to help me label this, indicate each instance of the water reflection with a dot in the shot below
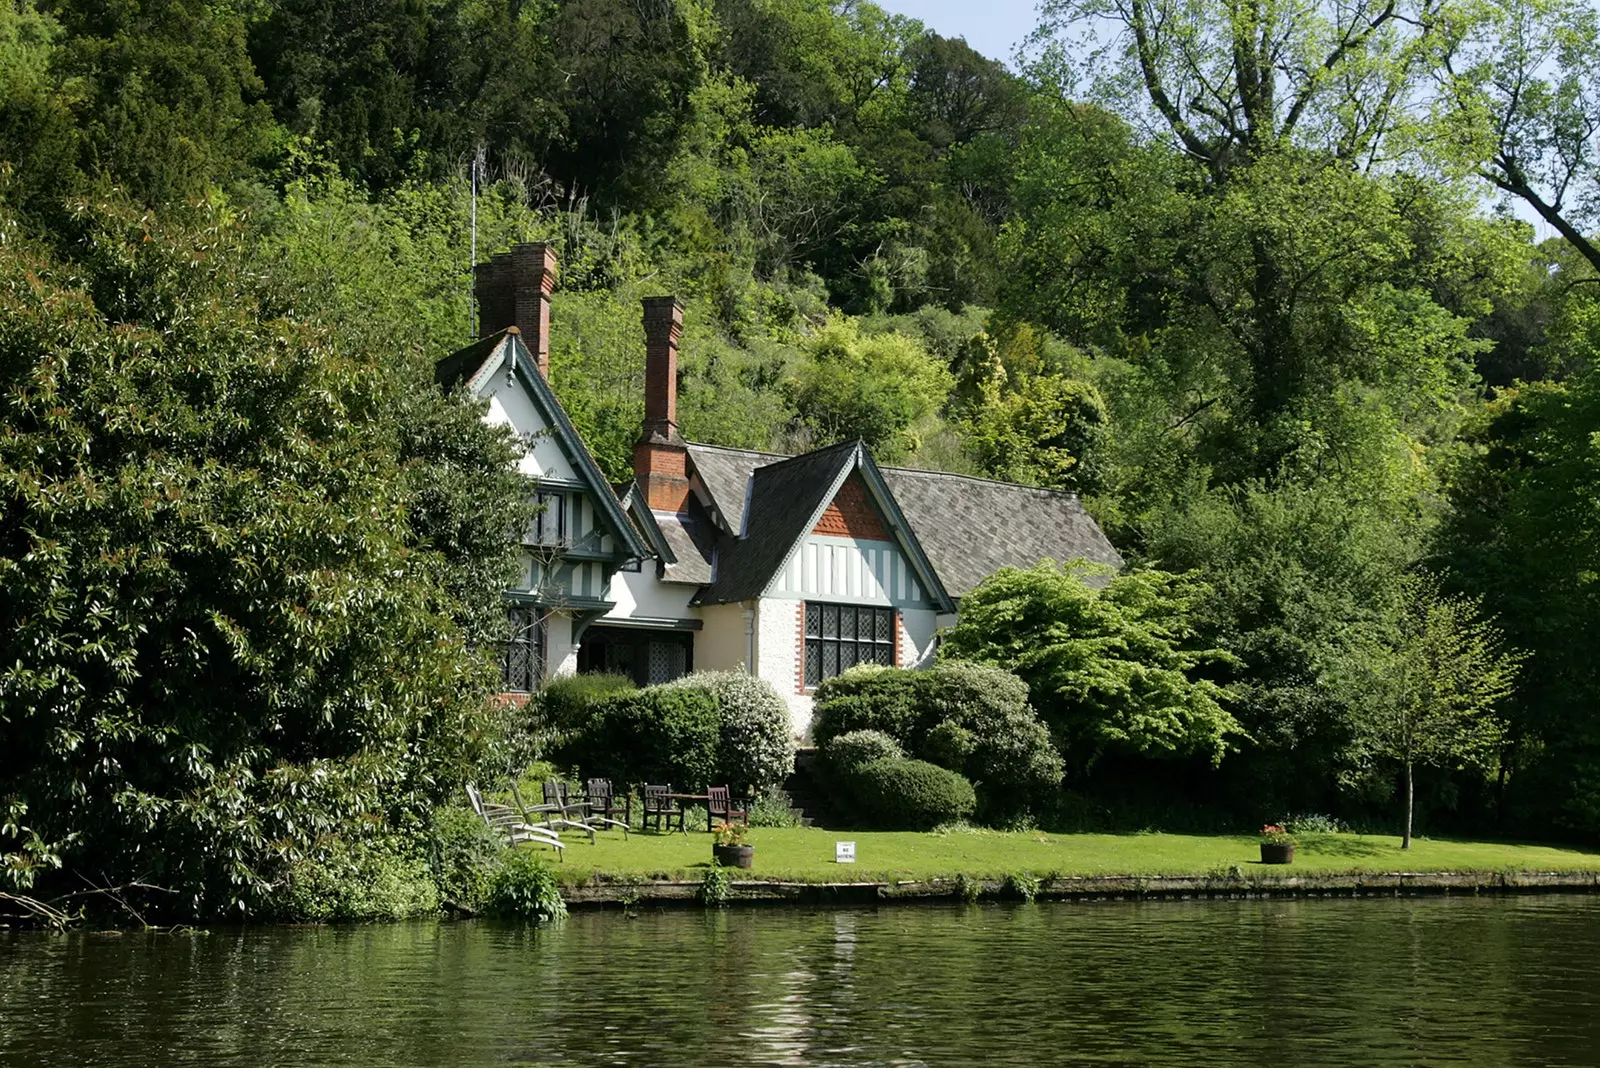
(1469, 981)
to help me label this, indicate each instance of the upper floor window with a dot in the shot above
(550, 525)
(840, 636)
(522, 663)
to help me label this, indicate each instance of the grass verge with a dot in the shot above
(805, 854)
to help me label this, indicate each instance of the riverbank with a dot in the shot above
(796, 865)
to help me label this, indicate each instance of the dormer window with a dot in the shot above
(550, 525)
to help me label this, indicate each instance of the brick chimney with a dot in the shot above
(660, 457)
(513, 289)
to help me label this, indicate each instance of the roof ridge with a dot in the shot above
(813, 454)
(979, 478)
(735, 448)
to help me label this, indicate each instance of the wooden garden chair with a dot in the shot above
(661, 808)
(719, 809)
(602, 804)
(508, 824)
(556, 810)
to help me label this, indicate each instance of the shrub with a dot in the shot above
(466, 854)
(982, 725)
(847, 752)
(772, 809)
(524, 888)
(868, 698)
(381, 878)
(757, 746)
(560, 715)
(662, 734)
(911, 795)
(567, 702)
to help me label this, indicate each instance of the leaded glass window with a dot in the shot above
(840, 636)
(522, 665)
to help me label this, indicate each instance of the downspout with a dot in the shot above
(750, 637)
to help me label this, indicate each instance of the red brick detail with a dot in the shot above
(899, 636)
(662, 472)
(514, 700)
(800, 659)
(851, 515)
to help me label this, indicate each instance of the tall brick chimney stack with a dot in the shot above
(513, 289)
(660, 457)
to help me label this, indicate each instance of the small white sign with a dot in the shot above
(844, 852)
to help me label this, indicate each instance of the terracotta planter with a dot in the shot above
(734, 856)
(1277, 852)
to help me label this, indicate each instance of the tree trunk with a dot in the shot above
(1405, 843)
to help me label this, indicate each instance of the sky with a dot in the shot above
(992, 27)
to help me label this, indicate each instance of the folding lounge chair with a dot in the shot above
(505, 821)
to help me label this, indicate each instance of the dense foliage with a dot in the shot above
(1114, 668)
(755, 748)
(232, 651)
(970, 718)
(709, 728)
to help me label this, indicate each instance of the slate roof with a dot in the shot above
(726, 474)
(785, 498)
(969, 527)
(972, 527)
(692, 539)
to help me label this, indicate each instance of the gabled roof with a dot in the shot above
(475, 366)
(969, 527)
(785, 501)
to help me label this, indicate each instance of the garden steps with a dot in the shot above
(807, 800)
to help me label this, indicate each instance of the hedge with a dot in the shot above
(969, 718)
(658, 735)
(910, 795)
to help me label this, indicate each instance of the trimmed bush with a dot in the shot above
(756, 750)
(980, 723)
(970, 718)
(661, 734)
(847, 752)
(868, 698)
(911, 795)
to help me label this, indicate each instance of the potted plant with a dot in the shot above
(730, 849)
(1277, 845)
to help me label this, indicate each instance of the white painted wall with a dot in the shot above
(561, 652)
(848, 571)
(918, 628)
(642, 595)
(778, 658)
(511, 406)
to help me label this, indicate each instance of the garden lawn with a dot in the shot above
(805, 854)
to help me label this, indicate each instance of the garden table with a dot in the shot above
(698, 799)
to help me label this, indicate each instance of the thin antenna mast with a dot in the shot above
(472, 295)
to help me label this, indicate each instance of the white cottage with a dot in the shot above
(793, 567)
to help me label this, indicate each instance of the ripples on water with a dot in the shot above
(1401, 982)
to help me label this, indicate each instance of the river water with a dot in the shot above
(1483, 981)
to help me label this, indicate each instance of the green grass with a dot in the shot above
(806, 854)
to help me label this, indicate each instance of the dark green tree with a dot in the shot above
(233, 638)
